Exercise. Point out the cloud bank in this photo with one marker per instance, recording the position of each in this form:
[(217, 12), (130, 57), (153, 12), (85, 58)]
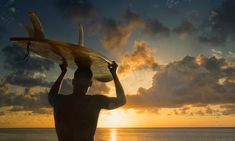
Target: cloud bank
[(28, 100), (192, 81)]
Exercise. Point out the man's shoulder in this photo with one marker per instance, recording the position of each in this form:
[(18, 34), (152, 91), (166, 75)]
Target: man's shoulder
[(98, 96)]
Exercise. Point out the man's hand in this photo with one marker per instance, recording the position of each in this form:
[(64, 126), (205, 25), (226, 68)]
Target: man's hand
[(113, 67), (63, 66)]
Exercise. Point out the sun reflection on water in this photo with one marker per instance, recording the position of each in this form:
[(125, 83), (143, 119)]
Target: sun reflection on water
[(113, 134)]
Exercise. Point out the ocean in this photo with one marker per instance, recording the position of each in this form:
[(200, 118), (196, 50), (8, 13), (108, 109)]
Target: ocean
[(127, 134)]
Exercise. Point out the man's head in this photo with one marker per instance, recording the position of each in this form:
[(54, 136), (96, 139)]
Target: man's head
[(82, 80)]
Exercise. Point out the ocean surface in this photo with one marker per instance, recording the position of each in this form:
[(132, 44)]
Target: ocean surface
[(128, 134)]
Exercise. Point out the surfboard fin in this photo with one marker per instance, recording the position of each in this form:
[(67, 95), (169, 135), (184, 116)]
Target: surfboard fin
[(26, 57), (37, 26), (81, 35)]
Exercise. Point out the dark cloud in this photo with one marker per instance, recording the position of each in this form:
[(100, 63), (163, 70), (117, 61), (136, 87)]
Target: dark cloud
[(28, 100), (8, 12), (228, 109), (78, 10), (141, 58), (186, 27), (25, 73), (96, 88), (202, 111), (36, 101), (133, 18), (14, 60), (218, 39), (221, 23), (117, 33), (225, 18), (190, 81), (155, 27), (27, 79), (3, 31), (66, 87), (82, 12)]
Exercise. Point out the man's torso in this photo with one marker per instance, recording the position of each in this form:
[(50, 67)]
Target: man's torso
[(76, 117)]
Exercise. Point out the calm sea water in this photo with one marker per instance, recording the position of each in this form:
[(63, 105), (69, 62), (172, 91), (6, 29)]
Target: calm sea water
[(130, 134)]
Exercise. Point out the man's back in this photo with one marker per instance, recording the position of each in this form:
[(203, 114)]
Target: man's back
[(76, 116)]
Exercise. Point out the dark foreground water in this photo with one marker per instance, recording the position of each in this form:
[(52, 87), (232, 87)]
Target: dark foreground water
[(130, 134)]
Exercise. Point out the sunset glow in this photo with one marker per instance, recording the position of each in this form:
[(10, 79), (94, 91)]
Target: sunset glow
[(175, 61)]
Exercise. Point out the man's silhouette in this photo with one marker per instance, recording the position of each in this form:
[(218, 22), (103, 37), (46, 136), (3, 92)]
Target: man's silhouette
[(76, 115)]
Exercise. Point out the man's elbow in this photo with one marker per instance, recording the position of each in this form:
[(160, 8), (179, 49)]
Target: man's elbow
[(122, 102)]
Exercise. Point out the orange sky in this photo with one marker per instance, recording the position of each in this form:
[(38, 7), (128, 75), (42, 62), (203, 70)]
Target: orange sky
[(122, 118)]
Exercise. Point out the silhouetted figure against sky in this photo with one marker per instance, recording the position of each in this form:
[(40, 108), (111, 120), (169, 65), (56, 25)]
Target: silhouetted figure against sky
[(76, 115)]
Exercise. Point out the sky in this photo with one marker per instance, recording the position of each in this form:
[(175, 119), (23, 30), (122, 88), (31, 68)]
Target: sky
[(176, 60)]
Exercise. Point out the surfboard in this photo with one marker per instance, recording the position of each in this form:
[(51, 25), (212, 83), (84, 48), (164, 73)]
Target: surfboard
[(57, 51)]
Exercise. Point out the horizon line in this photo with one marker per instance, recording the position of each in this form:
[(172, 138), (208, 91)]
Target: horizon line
[(122, 127)]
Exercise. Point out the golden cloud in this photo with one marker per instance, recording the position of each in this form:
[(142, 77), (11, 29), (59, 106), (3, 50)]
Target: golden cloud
[(141, 58)]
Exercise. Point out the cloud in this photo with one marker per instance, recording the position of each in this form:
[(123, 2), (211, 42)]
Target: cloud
[(141, 58), (221, 23), (132, 18), (96, 88), (191, 81), (78, 10), (217, 53), (25, 73), (215, 39), (66, 87), (202, 111), (28, 100), (117, 33), (186, 27), (155, 27), (195, 81), (36, 101), (14, 60), (27, 79), (229, 109)]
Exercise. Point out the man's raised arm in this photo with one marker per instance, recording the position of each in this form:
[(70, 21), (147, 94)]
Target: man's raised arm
[(56, 86), (115, 102)]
